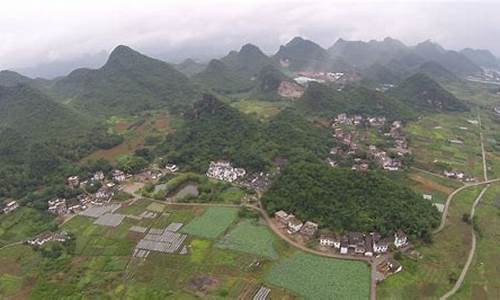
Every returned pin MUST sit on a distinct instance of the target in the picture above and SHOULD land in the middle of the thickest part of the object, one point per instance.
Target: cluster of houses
(222, 170)
(304, 78)
(363, 244)
(293, 225)
(10, 207)
(43, 238)
(349, 147)
(356, 243)
(62, 206)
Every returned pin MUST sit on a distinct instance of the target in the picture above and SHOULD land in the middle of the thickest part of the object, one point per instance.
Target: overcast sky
(40, 32)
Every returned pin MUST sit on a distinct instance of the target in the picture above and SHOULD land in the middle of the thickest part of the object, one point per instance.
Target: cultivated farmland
(250, 238)
(213, 222)
(316, 277)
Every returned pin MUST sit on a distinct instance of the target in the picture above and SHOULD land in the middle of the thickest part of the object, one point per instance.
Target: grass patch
(250, 238)
(156, 207)
(212, 223)
(24, 223)
(315, 277)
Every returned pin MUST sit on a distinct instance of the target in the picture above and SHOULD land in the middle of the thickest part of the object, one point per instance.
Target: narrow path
(11, 244)
(485, 169)
(453, 194)
(472, 251)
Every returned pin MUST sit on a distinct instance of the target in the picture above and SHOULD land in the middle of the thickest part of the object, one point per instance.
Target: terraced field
(430, 143)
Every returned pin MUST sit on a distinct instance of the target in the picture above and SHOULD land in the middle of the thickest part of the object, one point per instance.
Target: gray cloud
(43, 32)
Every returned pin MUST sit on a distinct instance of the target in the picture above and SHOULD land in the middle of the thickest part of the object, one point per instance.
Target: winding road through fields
(472, 251)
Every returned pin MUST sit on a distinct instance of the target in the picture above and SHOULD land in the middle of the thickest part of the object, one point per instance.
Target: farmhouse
(171, 168)
(104, 194)
(118, 176)
(281, 217)
(47, 237)
(309, 229)
(73, 181)
(389, 266)
(98, 176)
(329, 241)
(294, 224)
(427, 196)
(57, 206)
(344, 245)
(379, 245)
(400, 239)
(10, 207)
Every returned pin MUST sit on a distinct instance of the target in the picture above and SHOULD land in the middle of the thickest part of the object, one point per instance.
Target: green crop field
(213, 222)
(317, 277)
(430, 143)
(483, 279)
(251, 238)
(263, 109)
(136, 209)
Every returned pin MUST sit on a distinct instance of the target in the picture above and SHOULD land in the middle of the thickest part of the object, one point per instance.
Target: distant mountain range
(65, 117)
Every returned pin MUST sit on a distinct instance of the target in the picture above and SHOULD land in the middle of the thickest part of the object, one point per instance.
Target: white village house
(400, 239)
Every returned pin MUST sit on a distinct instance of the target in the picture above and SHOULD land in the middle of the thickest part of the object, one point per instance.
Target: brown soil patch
(431, 185)
(10, 267)
(161, 123)
(202, 284)
(121, 127)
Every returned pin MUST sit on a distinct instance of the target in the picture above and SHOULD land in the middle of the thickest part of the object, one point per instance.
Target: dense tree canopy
(341, 199)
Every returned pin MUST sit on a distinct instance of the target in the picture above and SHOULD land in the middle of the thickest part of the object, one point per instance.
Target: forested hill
(424, 94)
(222, 79)
(128, 83)
(248, 61)
(324, 100)
(340, 199)
(303, 55)
(37, 133)
(10, 78)
(214, 130)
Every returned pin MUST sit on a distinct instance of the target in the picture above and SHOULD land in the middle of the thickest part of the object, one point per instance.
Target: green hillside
(222, 79)
(128, 83)
(214, 130)
(10, 78)
(424, 94)
(37, 134)
(303, 55)
(323, 100)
